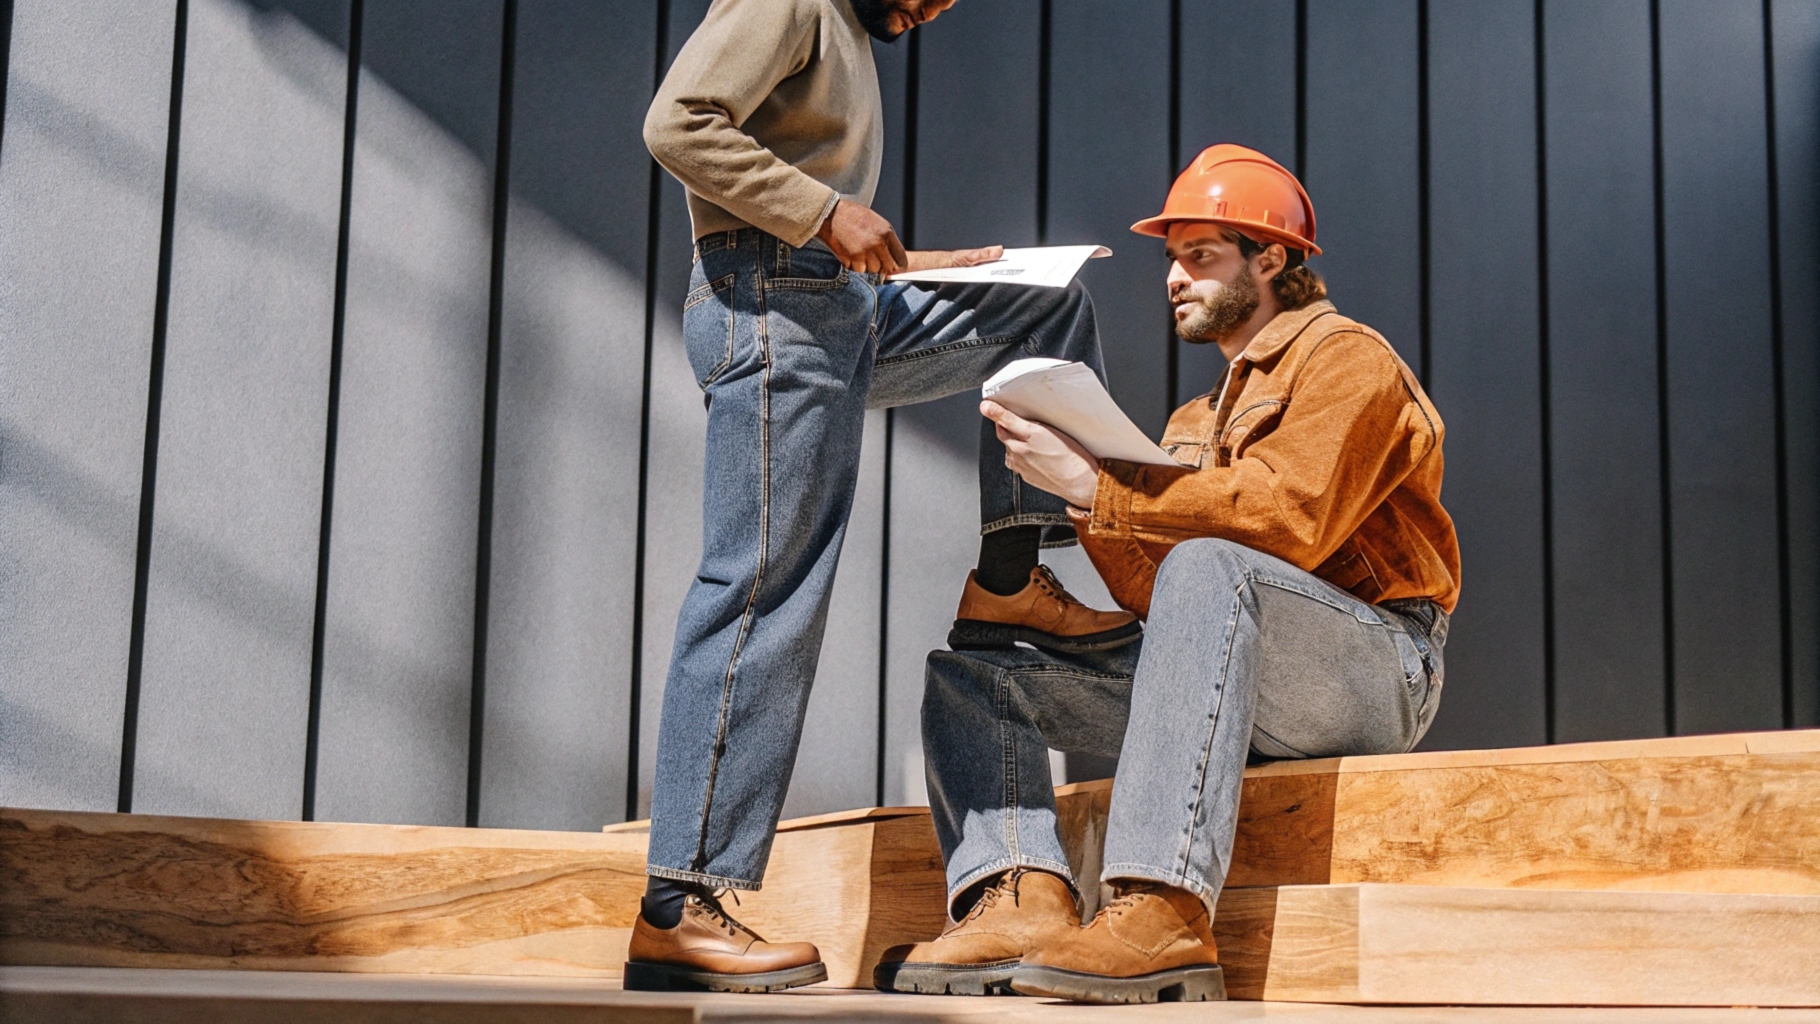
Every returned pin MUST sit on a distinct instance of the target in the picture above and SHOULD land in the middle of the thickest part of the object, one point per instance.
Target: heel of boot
(1198, 985)
(645, 978)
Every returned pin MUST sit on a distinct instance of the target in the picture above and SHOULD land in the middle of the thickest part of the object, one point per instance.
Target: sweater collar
(1283, 329)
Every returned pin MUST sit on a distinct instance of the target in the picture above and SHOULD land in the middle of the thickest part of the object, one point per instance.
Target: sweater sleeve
(741, 51)
(1345, 442)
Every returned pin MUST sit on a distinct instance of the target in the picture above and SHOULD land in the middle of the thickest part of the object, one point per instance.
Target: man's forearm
(699, 144)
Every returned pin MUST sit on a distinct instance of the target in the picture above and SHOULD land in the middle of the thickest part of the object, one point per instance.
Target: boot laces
(709, 900)
(1046, 581)
(990, 898)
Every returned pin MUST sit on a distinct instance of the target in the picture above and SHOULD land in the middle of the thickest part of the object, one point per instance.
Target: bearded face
(1215, 310)
(875, 16)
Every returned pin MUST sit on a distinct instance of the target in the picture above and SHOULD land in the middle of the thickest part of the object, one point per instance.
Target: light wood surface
(1728, 814)
(145, 891)
(1435, 944)
(63, 995)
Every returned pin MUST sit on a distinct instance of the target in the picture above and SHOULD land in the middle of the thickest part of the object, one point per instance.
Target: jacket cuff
(1112, 499)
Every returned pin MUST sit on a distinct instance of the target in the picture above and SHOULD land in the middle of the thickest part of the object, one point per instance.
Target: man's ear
(1270, 262)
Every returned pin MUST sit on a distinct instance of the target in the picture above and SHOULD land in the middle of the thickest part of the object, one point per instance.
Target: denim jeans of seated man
(791, 349)
(1243, 654)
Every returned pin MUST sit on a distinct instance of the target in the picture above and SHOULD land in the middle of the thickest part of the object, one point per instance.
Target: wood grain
(146, 891)
(1723, 814)
(1437, 944)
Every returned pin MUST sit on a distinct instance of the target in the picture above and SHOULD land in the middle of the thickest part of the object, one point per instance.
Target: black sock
(1006, 558)
(662, 906)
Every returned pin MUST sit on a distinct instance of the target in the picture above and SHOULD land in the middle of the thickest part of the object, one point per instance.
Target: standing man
(770, 117)
(1297, 571)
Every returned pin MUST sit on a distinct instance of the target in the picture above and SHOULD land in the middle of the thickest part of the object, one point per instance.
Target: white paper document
(1049, 266)
(1068, 397)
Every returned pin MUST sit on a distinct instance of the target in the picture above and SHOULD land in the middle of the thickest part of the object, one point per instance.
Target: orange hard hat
(1243, 189)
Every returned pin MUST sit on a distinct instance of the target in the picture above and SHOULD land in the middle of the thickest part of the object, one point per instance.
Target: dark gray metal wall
(350, 464)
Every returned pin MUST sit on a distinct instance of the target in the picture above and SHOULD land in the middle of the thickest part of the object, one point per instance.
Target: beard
(875, 17)
(1216, 317)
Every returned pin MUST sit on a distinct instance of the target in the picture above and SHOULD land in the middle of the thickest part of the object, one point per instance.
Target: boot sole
(946, 979)
(976, 634)
(1177, 985)
(650, 977)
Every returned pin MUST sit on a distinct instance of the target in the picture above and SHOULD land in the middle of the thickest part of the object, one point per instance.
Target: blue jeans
(1243, 654)
(790, 349)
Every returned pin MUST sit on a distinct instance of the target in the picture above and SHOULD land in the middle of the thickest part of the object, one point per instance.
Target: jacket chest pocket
(1247, 425)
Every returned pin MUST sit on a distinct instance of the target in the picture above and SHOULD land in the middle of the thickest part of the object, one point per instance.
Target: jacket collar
(1283, 329)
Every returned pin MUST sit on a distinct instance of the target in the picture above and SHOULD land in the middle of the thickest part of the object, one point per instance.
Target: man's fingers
(974, 257)
(900, 259)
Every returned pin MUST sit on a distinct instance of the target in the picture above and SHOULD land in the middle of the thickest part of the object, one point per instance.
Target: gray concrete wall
(350, 460)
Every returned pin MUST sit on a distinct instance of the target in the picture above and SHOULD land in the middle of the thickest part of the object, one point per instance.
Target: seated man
(1296, 573)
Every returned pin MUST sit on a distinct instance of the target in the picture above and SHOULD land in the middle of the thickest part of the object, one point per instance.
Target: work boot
(708, 951)
(1153, 943)
(1042, 615)
(975, 956)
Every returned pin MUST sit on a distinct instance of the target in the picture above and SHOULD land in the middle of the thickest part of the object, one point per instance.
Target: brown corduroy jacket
(1321, 448)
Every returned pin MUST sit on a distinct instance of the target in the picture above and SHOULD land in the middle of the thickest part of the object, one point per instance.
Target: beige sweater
(769, 114)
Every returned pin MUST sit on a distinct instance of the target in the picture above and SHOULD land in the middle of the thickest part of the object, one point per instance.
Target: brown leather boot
(708, 951)
(1153, 943)
(975, 956)
(1042, 615)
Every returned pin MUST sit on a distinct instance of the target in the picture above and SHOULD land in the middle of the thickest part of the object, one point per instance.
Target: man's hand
(942, 259)
(862, 240)
(1045, 457)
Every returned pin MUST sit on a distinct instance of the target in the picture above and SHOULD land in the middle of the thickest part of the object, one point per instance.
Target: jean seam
(1001, 700)
(953, 346)
(1027, 519)
(1219, 703)
(758, 577)
(1312, 595)
(1180, 880)
(716, 881)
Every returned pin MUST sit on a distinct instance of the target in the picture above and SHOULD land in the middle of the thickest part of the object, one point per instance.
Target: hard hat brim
(1158, 227)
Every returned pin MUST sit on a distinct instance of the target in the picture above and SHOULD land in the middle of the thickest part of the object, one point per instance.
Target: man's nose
(1177, 279)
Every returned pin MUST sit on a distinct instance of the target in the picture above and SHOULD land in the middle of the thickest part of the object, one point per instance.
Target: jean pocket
(708, 328)
(811, 266)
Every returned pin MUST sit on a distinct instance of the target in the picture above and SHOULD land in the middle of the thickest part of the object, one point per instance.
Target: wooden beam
(1437, 944)
(128, 890)
(1726, 814)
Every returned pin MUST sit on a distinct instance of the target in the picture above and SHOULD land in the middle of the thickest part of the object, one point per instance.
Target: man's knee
(1195, 566)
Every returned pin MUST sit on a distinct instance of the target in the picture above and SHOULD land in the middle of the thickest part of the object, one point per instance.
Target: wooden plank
(1485, 364)
(1421, 944)
(559, 665)
(146, 891)
(1604, 456)
(1646, 815)
(1233, 89)
(976, 156)
(399, 636)
(1721, 405)
(1795, 30)
(677, 421)
(81, 207)
(1109, 166)
(231, 591)
(1361, 166)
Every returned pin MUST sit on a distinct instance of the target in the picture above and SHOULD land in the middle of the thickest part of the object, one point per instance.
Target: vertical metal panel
(231, 592)
(571, 360)
(1485, 363)
(1721, 378)
(1603, 415)
(1237, 85)
(1795, 27)
(398, 647)
(81, 204)
(1361, 168)
(976, 171)
(1109, 165)
(677, 421)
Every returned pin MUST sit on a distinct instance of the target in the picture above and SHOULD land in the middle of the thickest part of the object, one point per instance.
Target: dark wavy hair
(1296, 285)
